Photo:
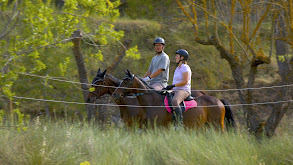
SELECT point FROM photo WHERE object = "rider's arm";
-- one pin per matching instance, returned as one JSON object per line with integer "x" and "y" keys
{"x": 156, "y": 73}
{"x": 148, "y": 73}
{"x": 184, "y": 81}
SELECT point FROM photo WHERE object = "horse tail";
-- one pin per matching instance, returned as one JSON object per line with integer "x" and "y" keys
{"x": 229, "y": 117}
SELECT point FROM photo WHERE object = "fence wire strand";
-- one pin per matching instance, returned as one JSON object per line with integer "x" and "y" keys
{"x": 207, "y": 90}
{"x": 139, "y": 106}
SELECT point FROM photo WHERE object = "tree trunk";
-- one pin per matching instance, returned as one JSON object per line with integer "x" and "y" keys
{"x": 252, "y": 118}
{"x": 286, "y": 73}
{"x": 47, "y": 111}
{"x": 59, "y": 4}
{"x": 235, "y": 68}
{"x": 278, "y": 111}
{"x": 91, "y": 109}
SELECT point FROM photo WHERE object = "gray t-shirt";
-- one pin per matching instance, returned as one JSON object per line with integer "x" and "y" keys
{"x": 160, "y": 61}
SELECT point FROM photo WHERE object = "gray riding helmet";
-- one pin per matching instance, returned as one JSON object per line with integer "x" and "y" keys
{"x": 159, "y": 40}
{"x": 183, "y": 53}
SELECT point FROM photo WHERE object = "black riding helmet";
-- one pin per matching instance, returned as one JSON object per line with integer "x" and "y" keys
{"x": 183, "y": 53}
{"x": 159, "y": 40}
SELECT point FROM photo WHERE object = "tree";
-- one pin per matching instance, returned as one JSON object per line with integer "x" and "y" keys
{"x": 283, "y": 39}
{"x": 29, "y": 28}
{"x": 242, "y": 25}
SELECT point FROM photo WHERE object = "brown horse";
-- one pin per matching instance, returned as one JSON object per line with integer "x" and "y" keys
{"x": 209, "y": 111}
{"x": 106, "y": 84}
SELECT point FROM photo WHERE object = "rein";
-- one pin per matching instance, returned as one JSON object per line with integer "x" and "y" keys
{"x": 135, "y": 94}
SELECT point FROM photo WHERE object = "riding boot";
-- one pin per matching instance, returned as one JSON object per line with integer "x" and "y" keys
{"x": 178, "y": 118}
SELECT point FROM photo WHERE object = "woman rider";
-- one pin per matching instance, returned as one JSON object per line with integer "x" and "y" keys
{"x": 181, "y": 84}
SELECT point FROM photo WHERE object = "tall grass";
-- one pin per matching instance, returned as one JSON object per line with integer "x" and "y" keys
{"x": 75, "y": 143}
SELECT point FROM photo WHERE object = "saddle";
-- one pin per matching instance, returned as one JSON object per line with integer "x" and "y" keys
{"x": 188, "y": 103}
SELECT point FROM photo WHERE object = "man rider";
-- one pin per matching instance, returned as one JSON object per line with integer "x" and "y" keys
{"x": 158, "y": 72}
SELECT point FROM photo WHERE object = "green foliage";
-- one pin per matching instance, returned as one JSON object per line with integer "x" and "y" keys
{"x": 41, "y": 44}
{"x": 2, "y": 113}
{"x": 106, "y": 30}
{"x": 284, "y": 57}
{"x": 85, "y": 163}
{"x": 133, "y": 52}
{"x": 92, "y": 89}
{"x": 22, "y": 120}
{"x": 63, "y": 66}
{"x": 41, "y": 25}
{"x": 6, "y": 83}
{"x": 99, "y": 55}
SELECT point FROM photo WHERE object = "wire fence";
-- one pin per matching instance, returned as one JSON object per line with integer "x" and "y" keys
{"x": 207, "y": 90}
{"x": 139, "y": 106}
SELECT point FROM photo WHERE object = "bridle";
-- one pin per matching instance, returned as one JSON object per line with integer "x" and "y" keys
{"x": 93, "y": 85}
{"x": 124, "y": 93}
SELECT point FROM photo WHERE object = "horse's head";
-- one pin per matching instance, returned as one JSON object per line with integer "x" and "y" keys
{"x": 99, "y": 89}
{"x": 126, "y": 86}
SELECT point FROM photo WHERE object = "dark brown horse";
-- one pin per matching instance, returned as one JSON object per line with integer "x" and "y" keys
{"x": 106, "y": 84}
{"x": 209, "y": 111}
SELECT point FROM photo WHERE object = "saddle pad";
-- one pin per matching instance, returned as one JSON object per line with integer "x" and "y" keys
{"x": 188, "y": 104}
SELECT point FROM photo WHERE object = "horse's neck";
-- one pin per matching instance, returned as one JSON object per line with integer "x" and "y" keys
{"x": 149, "y": 97}
{"x": 112, "y": 82}
{"x": 122, "y": 100}
{"x": 112, "y": 88}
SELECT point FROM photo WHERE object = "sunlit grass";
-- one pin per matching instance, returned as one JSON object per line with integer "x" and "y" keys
{"x": 63, "y": 143}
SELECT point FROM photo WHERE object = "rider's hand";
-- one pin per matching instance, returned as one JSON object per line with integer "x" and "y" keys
{"x": 147, "y": 79}
{"x": 169, "y": 87}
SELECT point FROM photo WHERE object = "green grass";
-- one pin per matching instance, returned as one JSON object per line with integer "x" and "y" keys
{"x": 63, "y": 143}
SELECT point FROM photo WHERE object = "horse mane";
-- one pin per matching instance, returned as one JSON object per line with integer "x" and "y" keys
{"x": 145, "y": 83}
{"x": 116, "y": 80}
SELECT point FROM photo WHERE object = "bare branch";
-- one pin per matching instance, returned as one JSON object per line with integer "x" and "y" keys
{"x": 5, "y": 32}
{"x": 224, "y": 25}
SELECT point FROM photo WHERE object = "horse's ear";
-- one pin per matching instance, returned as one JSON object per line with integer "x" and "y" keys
{"x": 104, "y": 73}
{"x": 99, "y": 71}
{"x": 128, "y": 73}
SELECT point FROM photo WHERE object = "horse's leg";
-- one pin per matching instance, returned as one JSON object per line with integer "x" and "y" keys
{"x": 220, "y": 114}
{"x": 222, "y": 118}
